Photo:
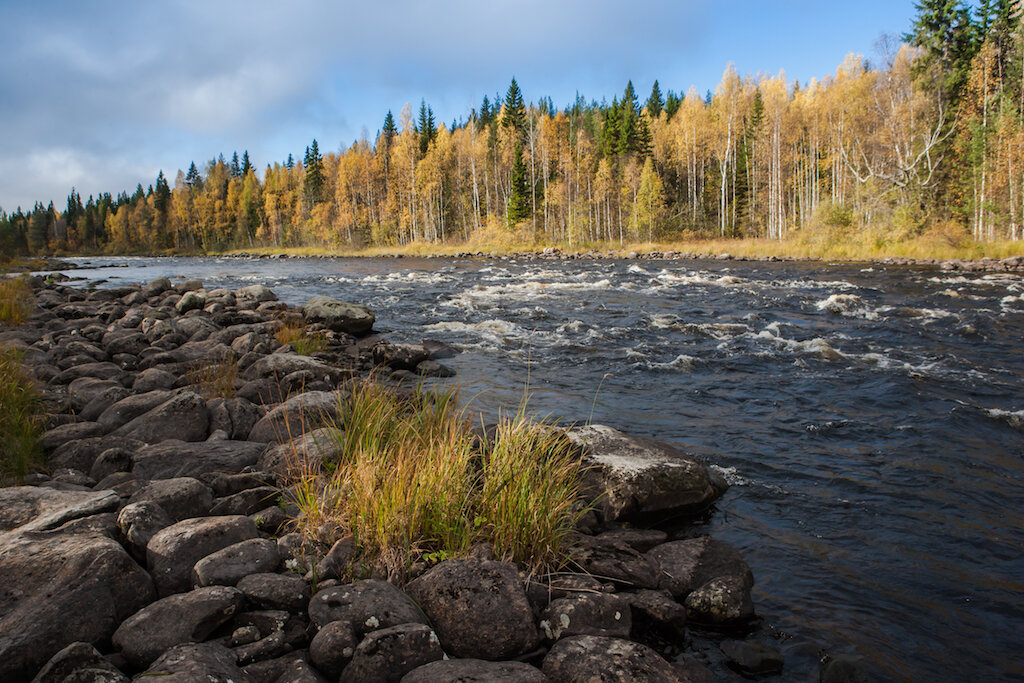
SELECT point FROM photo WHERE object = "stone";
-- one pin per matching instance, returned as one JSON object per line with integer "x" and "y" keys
{"x": 190, "y": 301}
{"x": 155, "y": 286}
{"x": 293, "y": 667}
{"x": 66, "y": 579}
{"x": 478, "y": 608}
{"x": 615, "y": 560}
{"x": 131, "y": 407}
{"x": 390, "y": 653}
{"x": 180, "y": 497}
{"x": 640, "y": 540}
{"x": 173, "y": 552}
{"x": 258, "y": 293}
{"x": 844, "y": 669}
{"x": 79, "y": 663}
{"x": 175, "y": 620}
{"x": 431, "y": 368}
{"x": 82, "y": 391}
{"x": 225, "y": 484}
{"x": 247, "y": 502}
{"x": 365, "y": 605}
{"x": 73, "y": 431}
{"x": 280, "y": 365}
{"x": 332, "y": 648}
{"x": 83, "y": 453}
{"x": 635, "y": 478}
{"x": 337, "y": 560}
{"x": 128, "y": 341}
{"x": 206, "y": 662}
{"x": 108, "y": 397}
{"x": 101, "y": 370}
{"x": 438, "y": 350}
{"x": 722, "y": 601}
{"x": 138, "y": 523}
{"x": 183, "y": 417}
{"x": 658, "y": 609}
{"x": 599, "y": 658}
{"x": 174, "y": 458}
{"x": 307, "y": 453}
{"x": 296, "y": 416}
{"x": 227, "y": 566}
{"x": 275, "y": 591}
{"x": 339, "y": 316}
{"x": 752, "y": 657}
{"x": 398, "y": 356}
{"x": 686, "y": 565}
{"x": 154, "y": 379}
{"x": 475, "y": 671}
{"x": 236, "y": 416}
{"x": 593, "y": 614}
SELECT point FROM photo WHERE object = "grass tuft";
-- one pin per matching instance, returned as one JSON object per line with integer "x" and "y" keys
{"x": 216, "y": 380}
{"x": 20, "y": 421}
{"x": 303, "y": 342}
{"x": 412, "y": 482}
{"x": 15, "y": 300}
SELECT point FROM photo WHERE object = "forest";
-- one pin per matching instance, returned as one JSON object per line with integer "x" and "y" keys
{"x": 926, "y": 140}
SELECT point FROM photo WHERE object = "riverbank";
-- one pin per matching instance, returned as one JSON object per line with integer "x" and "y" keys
{"x": 160, "y": 491}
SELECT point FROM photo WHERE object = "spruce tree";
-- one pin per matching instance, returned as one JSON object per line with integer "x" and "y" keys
{"x": 246, "y": 164}
{"x": 388, "y": 131}
{"x": 289, "y": 163}
{"x": 313, "y": 183}
{"x": 519, "y": 198}
{"x": 194, "y": 180}
{"x": 655, "y": 103}
{"x": 426, "y": 127}
{"x": 672, "y": 104}
{"x": 236, "y": 170}
{"x": 515, "y": 111}
{"x": 943, "y": 29}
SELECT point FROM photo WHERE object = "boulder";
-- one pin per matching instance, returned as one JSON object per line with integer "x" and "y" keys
{"x": 110, "y": 461}
{"x": 280, "y": 365}
{"x": 296, "y": 416}
{"x": 276, "y": 591}
{"x": 176, "y": 458}
{"x": 390, "y": 653}
{"x": 635, "y": 478}
{"x": 227, "y": 566}
{"x": 599, "y": 658}
{"x": 339, "y": 316}
{"x": 399, "y": 356}
{"x": 108, "y": 397}
{"x": 180, "y": 497}
{"x": 431, "y": 368}
{"x": 173, "y": 552}
{"x": 82, "y": 454}
{"x": 138, "y": 523}
{"x": 155, "y": 286}
{"x": 183, "y": 417}
{"x": 236, "y": 416}
{"x": 79, "y": 663}
{"x": 722, "y": 601}
{"x": 475, "y": 671}
{"x": 82, "y": 391}
{"x": 686, "y": 565}
{"x": 752, "y": 657}
{"x": 104, "y": 370}
{"x": 478, "y": 607}
{"x": 65, "y": 577}
{"x": 658, "y": 609}
{"x": 73, "y": 431}
{"x": 304, "y": 453}
{"x": 190, "y": 301}
{"x": 247, "y": 502}
{"x": 128, "y": 341}
{"x": 593, "y": 614}
{"x": 258, "y": 293}
{"x": 131, "y": 407}
{"x": 207, "y": 662}
{"x": 175, "y": 620}
{"x": 364, "y": 605}
{"x": 615, "y": 560}
{"x": 332, "y": 648}
{"x": 154, "y": 379}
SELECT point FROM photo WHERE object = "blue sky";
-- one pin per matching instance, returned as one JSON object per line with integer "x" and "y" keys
{"x": 101, "y": 96}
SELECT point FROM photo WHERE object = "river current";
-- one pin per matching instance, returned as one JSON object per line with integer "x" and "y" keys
{"x": 870, "y": 419}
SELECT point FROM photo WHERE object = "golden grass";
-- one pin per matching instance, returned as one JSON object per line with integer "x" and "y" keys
{"x": 16, "y": 301}
{"x": 303, "y": 342}
{"x": 20, "y": 421}
{"x": 216, "y": 380}
{"x": 412, "y": 482}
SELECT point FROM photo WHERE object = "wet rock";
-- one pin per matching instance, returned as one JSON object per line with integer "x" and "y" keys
{"x": 65, "y": 577}
{"x": 722, "y": 601}
{"x": 275, "y": 591}
{"x": 398, "y": 356}
{"x": 752, "y": 657}
{"x": 594, "y": 614}
{"x": 615, "y": 560}
{"x": 479, "y": 608}
{"x": 431, "y": 368}
{"x": 296, "y": 416}
{"x": 131, "y": 407}
{"x": 246, "y": 502}
{"x": 173, "y": 551}
{"x": 438, "y": 350}
{"x": 180, "y": 497}
{"x": 332, "y": 648}
{"x": 176, "y": 458}
{"x": 640, "y": 540}
{"x": 844, "y": 669}
{"x": 58, "y": 436}
{"x": 339, "y": 316}
{"x": 183, "y": 417}
{"x": 598, "y": 658}
{"x": 390, "y": 653}
{"x": 82, "y": 454}
{"x": 79, "y": 663}
{"x": 138, "y": 523}
{"x": 175, "y": 620}
{"x": 658, "y": 609}
{"x": 475, "y": 671}
{"x": 687, "y": 565}
{"x": 227, "y": 566}
{"x": 207, "y": 662}
{"x": 633, "y": 478}
{"x": 365, "y": 605}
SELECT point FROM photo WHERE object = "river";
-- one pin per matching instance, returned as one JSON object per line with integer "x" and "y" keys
{"x": 870, "y": 419}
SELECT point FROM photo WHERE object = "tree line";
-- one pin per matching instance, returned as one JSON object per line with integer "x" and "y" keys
{"x": 931, "y": 137}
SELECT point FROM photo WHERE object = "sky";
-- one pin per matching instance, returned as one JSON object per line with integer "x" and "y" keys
{"x": 102, "y": 96}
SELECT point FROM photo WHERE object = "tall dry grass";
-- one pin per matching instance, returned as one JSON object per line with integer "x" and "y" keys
{"x": 16, "y": 300}
{"x": 21, "y": 418}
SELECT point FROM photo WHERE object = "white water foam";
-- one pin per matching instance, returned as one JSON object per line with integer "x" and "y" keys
{"x": 1013, "y": 418}
{"x": 849, "y": 305}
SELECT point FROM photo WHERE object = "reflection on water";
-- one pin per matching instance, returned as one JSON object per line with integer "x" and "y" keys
{"x": 869, "y": 419}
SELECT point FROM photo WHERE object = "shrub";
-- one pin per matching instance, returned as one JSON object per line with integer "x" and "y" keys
{"x": 20, "y": 421}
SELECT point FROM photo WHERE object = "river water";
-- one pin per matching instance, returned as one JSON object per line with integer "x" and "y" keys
{"x": 869, "y": 419}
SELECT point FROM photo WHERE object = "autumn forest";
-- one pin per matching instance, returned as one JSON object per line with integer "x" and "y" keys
{"x": 925, "y": 139}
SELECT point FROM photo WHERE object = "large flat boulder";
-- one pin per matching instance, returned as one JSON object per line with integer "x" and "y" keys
{"x": 175, "y": 458}
{"x": 636, "y": 478}
{"x": 339, "y": 316}
{"x": 173, "y": 552}
{"x": 184, "y": 416}
{"x": 65, "y": 577}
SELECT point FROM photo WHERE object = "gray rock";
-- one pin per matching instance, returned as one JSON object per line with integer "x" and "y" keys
{"x": 339, "y": 316}
{"x": 138, "y": 523}
{"x": 307, "y": 452}
{"x": 224, "y": 484}
{"x": 82, "y": 454}
{"x": 154, "y": 379}
{"x": 631, "y": 477}
{"x": 190, "y": 301}
{"x": 257, "y": 293}
{"x": 659, "y": 609}
{"x": 615, "y": 560}
{"x": 236, "y": 416}
{"x": 183, "y": 417}
{"x": 752, "y": 657}
{"x": 722, "y": 601}
{"x": 640, "y": 540}
{"x": 128, "y": 341}
{"x": 227, "y": 566}
{"x": 92, "y": 411}
{"x": 79, "y": 663}
{"x": 180, "y": 497}
{"x": 176, "y": 458}
{"x": 203, "y": 662}
{"x": 332, "y": 648}
{"x": 173, "y": 552}
{"x": 478, "y": 607}
{"x": 598, "y": 658}
{"x": 337, "y": 560}
{"x": 475, "y": 671}
{"x": 687, "y": 565}
{"x": 175, "y": 620}
{"x": 246, "y": 502}
{"x": 131, "y": 407}
{"x": 398, "y": 356}
{"x": 591, "y": 614}
{"x": 73, "y": 431}
{"x": 110, "y": 461}
{"x": 65, "y": 577}
{"x": 82, "y": 391}
{"x": 280, "y": 365}
{"x": 104, "y": 370}
{"x": 296, "y": 416}
{"x": 365, "y": 605}
{"x": 276, "y": 591}
{"x": 431, "y": 368}
{"x": 191, "y": 285}
{"x": 390, "y": 653}
{"x": 155, "y": 286}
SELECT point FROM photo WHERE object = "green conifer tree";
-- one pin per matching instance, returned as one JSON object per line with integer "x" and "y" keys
{"x": 655, "y": 103}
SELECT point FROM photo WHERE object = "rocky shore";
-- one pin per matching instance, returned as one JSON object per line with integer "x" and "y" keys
{"x": 159, "y": 541}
